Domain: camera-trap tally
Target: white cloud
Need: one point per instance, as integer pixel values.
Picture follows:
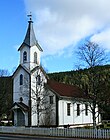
(102, 38)
(60, 23)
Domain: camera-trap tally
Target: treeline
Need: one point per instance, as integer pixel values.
(72, 77)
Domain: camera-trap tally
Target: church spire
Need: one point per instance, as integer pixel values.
(30, 38)
(30, 49)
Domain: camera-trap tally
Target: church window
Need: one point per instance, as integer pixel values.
(24, 56)
(21, 79)
(78, 109)
(51, 99)
(86, 109)
(68, 109)
(20, 99)
(38, 79)
(35, 57)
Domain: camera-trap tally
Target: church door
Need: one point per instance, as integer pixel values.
(20, 118)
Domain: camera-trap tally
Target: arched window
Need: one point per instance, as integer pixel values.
(38, 80)
(24, 56)
(21, 79)
(35, 57)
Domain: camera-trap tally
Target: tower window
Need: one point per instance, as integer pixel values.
(24, 56)
(68, 109)
(35, 57)
(78, 109)
(21, 79)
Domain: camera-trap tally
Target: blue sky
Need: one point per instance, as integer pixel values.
(59, 27)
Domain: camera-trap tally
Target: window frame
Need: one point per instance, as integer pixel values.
(51, 99)
(24, 56)
(38, 80)
(21, 79)
(78, 109)
(68, 109)
(35, 57)
(86, 109)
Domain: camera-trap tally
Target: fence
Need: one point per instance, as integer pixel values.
(62, 132)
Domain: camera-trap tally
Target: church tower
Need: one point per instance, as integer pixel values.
(30, 49)
(23, 78)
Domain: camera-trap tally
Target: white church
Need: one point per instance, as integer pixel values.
(39, 101)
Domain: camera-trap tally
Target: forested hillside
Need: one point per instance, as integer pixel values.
(82, 77)
(5, 97)
(72, 77)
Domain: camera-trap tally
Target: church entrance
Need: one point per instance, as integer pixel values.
(20, 118)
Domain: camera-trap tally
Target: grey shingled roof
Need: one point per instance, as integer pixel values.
(30, 38)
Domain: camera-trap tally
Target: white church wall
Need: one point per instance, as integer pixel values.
(64, 119)
(36, 92)
(32, 51)
(33, 100)
(82, 118)
(45, 100)
(73, 118)
(21, 90)
(51, 107)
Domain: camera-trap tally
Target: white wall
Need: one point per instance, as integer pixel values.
(21, 90)
(36, 93)
(30, 56)
(64, 119)
(32, 50)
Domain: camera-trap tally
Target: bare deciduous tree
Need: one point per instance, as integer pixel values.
(39, 98)
(4, 72)
(92, 55)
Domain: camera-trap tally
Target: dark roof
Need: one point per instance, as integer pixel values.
(66, 90)
(30, 38)
(21, 105)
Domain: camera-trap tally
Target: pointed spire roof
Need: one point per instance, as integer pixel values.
(30, 38)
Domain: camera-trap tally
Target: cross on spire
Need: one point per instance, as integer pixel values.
(30, 16)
